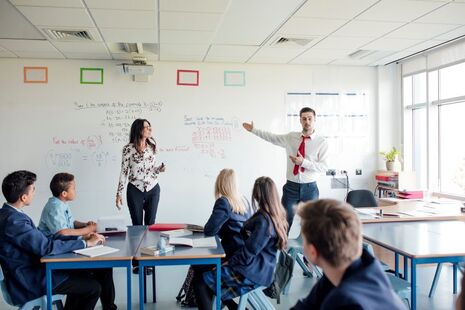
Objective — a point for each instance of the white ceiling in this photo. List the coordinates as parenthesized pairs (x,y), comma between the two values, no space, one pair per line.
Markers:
(240,31)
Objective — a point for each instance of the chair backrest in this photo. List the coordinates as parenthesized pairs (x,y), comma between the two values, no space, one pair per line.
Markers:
(6,295)
(361,198)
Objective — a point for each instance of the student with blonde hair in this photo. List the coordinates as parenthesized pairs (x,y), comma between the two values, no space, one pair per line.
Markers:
(229,212)
(252,264)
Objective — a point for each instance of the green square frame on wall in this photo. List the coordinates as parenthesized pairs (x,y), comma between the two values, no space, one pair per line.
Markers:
(91,76)
(234,78)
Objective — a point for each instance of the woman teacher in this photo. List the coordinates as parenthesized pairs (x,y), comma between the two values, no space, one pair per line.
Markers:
(140,168)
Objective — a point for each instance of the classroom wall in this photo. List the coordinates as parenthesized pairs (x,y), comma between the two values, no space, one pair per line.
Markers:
(67,126)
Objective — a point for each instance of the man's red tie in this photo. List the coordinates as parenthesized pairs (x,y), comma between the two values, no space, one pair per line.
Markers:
(302,152)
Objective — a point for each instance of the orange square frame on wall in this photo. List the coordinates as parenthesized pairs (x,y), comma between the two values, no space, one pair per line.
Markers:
(36,75)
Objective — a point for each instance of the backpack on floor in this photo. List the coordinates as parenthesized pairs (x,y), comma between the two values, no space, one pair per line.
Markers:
(186,296)
(282,276)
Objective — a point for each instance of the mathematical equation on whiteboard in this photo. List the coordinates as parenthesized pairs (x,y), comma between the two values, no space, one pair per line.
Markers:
(210,134)
(76,157)
(117,117)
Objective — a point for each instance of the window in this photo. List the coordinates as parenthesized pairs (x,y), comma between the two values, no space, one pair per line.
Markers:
(434,105)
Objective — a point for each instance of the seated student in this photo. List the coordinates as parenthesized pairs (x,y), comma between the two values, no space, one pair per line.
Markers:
(229,213)
(22,246)
(353,279)
(56,216)
(253,264)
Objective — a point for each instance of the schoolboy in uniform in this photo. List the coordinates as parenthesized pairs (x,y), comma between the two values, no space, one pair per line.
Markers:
(56,216)
(22,246)
(353,279)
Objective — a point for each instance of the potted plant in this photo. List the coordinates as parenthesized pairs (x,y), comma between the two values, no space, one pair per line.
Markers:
(391,159)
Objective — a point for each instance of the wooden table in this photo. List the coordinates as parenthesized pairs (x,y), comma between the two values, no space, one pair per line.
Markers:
(421,243)
(180,256)
(127,243)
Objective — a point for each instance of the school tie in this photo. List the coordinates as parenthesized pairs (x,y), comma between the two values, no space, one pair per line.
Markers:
(302,152)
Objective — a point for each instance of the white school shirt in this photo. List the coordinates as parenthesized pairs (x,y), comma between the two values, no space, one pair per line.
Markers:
(316,154)
(139,168)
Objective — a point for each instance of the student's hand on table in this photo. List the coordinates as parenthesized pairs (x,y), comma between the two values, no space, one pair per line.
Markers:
(298,160)
(91,223)
(91,227)
(95,239)
(119,202)
(248,126)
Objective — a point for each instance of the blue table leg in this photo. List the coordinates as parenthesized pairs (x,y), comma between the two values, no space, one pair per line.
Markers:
(405,268)
(413,283)
(455,278)
(48,283)
(396,263)
(141,286)
(218,285)
(129,286)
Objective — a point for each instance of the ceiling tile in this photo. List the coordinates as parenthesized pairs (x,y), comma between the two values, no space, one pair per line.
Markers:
(189,58)
(81,47)
(452,34)
(311,26)
(311,61)
(278,52)
(129,35)
(269,60)
(36,54)
(13,25)
(186,37)
(56,17)
(398,10)
(325,53)
(420,31)
(451,13)
(189,21)
(124,19)
(350,62)
(424,45)
(232,50)
(245,23)
(388,44)
(183,49)
(343,43)
(145,5)
(346,9)
(206,6)
(27,45)
(358,28)
(72,55)
(54,3)
(225,59)
(7,54)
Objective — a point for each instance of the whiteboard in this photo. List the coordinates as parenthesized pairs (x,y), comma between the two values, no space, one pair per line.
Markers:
(65,126)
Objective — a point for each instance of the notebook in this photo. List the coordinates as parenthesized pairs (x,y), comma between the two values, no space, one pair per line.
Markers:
(96,251)
(209,242)
(176,233)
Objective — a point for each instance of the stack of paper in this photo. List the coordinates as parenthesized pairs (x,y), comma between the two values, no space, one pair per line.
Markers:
(96,251)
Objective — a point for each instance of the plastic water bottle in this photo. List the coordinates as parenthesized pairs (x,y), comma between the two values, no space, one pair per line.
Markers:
(162,243)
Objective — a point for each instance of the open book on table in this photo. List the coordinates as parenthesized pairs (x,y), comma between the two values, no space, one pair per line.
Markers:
(208,242)
(176,233)
(96,251)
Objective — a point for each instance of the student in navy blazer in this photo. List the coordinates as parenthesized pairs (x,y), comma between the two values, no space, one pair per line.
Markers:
(22,246)
(229,213)
(353,279)
(253,264)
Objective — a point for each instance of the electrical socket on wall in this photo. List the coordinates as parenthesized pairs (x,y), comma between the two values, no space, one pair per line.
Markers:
(358,171)
(331,172)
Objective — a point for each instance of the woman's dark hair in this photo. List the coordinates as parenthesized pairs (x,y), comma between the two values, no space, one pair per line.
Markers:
(60,183)
(135,136)
(266,196)
(16,183)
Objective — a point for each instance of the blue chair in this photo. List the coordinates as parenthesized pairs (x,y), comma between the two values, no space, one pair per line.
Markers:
(40,302)
(255,299)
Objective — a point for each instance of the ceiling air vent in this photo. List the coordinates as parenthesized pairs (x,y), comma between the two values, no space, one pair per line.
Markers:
(282,41)
(69,35)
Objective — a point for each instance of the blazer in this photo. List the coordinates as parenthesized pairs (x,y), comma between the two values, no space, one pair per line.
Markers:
(257,258)
(22,246)
(363,286)
(227,224)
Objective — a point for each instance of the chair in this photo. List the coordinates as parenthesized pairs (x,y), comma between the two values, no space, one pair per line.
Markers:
(361,198)
(256,299)
(40,302)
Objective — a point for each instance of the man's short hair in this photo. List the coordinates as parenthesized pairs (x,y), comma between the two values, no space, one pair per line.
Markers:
(333,228)
(60,183)
(307,109)
(16,183)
